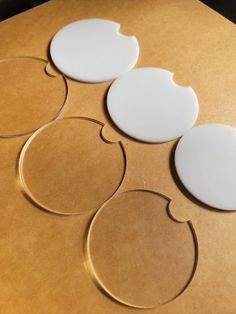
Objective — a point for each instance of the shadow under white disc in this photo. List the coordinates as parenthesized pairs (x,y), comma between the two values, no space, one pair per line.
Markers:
(147,105)
(205,161)
(93,50)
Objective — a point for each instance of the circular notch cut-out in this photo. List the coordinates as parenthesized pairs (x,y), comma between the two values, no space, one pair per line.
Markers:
(66,167)
(93,50)
(147,105)
(205,162)
(29,97)
(137,253)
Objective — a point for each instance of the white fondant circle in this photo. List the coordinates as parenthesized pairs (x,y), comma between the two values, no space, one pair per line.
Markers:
(147,105)
(93,50)
(205,160)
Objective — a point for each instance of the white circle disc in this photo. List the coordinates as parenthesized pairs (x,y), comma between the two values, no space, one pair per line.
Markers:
(205,160)
(93,50)
(147,105)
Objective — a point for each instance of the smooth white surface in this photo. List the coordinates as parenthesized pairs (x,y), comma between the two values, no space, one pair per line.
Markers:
(146,104)
(205,160)
(93,50)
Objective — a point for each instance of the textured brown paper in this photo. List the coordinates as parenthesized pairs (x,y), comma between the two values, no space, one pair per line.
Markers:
(42,257)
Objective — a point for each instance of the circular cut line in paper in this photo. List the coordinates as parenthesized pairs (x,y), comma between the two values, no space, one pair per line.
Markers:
(205,160)
(67,167)
(137,253)
(93,50)
(146,104)
(29,97)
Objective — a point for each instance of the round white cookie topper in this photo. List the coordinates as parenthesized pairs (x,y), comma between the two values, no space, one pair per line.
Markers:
(205,160)
(147,105)
(93,50)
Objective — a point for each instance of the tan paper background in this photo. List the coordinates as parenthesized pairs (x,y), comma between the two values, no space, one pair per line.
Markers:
(41,254)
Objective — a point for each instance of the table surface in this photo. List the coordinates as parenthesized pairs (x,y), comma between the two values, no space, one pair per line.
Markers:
(42,259)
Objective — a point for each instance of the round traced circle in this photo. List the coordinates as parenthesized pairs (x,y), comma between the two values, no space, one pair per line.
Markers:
(147,105)
(66,166)
(93,50)
(29,97)
(205,160)
(137,254)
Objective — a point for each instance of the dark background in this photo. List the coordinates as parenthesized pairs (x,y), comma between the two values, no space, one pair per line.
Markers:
(9,8)
(224,7)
